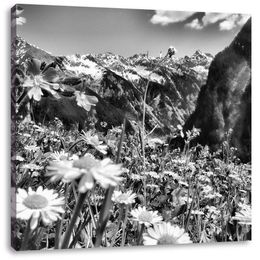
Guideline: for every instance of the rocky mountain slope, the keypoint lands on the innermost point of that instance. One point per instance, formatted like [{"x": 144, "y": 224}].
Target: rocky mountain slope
[
  {"x": 119, "y": 84},
  {"x": 224, "y": 102}
]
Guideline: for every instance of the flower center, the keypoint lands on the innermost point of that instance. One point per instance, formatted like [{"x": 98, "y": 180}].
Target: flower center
[
  {"x": 166, "y": 240},
  {"x": 62, "y": 157},
  {"x": 35, "y": 201},
  {"x": 85, "y": 163},
  {"x": 37, "y": 80},
  {"x": 123, "y": 198},
  {"x": 145, "y": 216}
]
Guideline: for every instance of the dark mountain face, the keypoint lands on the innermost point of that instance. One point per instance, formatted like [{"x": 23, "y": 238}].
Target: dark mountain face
[
  {"x": 25, "y": 50},
  {"x": 119, "y": 84},
  {"x": 224, "y": 102}
]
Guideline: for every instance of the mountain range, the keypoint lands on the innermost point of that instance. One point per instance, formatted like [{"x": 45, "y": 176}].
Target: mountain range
[{"x": 119, "y": 84}]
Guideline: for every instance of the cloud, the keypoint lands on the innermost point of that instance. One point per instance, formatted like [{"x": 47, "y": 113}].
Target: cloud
[
  {"x": 225, "y": 21},
  {"x": 233, "y": 21},
  {"x": 167, "y": 17},
  {"x": 211, "y": 18},
  {"x": 194, "y": 24}
]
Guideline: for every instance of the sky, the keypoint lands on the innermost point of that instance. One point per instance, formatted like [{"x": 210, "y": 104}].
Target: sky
[{"x": 64, "y": 30}]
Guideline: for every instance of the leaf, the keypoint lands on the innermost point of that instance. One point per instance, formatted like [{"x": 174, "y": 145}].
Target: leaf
[
  {"x": 50, "y": 75},
  {"x": 71, "y": 81},
  {"x": 179, "y": 210},
  {"x": 66, "y": 89},
  {"x": 34, "y": 67}
]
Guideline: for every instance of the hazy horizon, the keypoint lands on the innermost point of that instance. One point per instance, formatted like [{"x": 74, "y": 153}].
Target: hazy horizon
[{"x": 63, "y": 30}]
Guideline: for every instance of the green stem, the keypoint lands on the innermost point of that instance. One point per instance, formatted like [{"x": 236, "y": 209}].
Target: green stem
[
  {"x": 124, "y": 227},
  {"x": 139, "y": 240},
  {"x": 57, "y": 234},
  {"x": 91, "y": 214},
  {"x": 104, "y": 215},
  {"x": 60, "y": 221},
  {"x": 26, "y": 236},
  {"x": 80, "y": 228},
  {"x": 78, "y": 141},
  {"x": 105, "y": 210},
  {"x": 76, "y": 213},
  {"x": 190, "y": 209},
  {"x": 143, "y": 121}
]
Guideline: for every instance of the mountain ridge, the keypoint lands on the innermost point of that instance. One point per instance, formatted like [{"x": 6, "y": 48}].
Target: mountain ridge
[
  {"x": 224, "y": 102},
  {"x": 174, "y": 83}
]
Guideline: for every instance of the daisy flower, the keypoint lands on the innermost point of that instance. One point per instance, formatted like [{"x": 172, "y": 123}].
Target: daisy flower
[
  {"x": 244, "y": 215},
  {"x": 88, "y": 170},
  {"x": 136, "y": 177},
  {"x": 152, "y": 186},
  {"x": 124, "y": 198},
  {"x": 172, "y": 174},
  {"x": 152, "y": 174},
  {"x": 64, "y": 171},
  {"x": 165, "y": 234},
  {"x": 42, "y": 204},
  {"x": 153, "y": 142},
  {"x": 143, "y": 216},
  {"x": 59, "y": 156},
  {"x": 32, "y": 148},
  {"x": 197, "y": 212},
  {"x": 32, "y": 167},
  {"x": 107, "y": 173},
  {"x": 93, "y": 140}
]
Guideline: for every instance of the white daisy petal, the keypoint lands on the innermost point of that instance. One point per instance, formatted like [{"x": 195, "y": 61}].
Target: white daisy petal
[
  {"x": 22, "y": 193},
  {"x": 25, "y": 214},
  {"x": 42, "y": 204},
  {"x": 33, "y": 223},
  {"x": 164, "y": 233}
]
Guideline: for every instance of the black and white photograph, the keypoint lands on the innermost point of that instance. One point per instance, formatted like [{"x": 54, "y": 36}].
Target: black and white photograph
[{"x": 129, "y": 127}]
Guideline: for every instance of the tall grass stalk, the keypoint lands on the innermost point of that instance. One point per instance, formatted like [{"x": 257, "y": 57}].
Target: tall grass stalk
[
  {"x": 76, "y": 213},
  {"x": 143, "y": 121},
  {"x": 60, "y": 221},
  {"x": 107, "y": 203}
]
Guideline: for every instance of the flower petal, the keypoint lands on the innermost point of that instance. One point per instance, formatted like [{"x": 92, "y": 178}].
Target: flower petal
[
  {"x": 35, "y": 93},
  {"x": 33, "y": 223}
]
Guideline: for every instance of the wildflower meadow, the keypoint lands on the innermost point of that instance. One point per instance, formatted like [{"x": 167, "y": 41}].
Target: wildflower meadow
[
  {"x": 78, "y": 186},
  {"x": 86, "y": 189}
]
